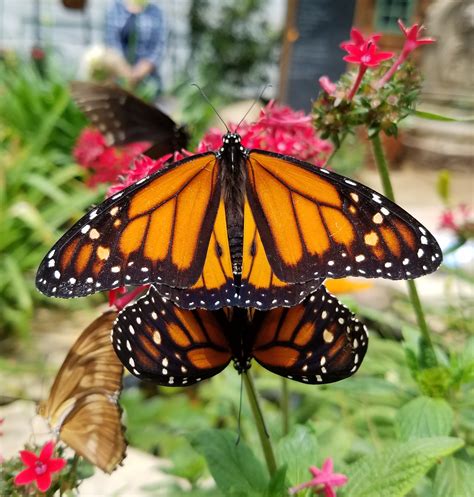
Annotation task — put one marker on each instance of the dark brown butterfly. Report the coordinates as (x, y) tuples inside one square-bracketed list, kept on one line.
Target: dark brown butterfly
[(82, 407), (124, 118), (318, 341), (238, 227)]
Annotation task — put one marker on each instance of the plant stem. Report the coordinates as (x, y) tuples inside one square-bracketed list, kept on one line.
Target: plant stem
[(382, 167), (285, 412), (260, 422)]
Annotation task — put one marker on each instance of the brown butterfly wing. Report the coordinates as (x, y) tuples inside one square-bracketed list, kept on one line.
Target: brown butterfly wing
[(315, 223), (158, 341), (124, 118), (94, 430), (318, 341), (91, 365), (157, 230)]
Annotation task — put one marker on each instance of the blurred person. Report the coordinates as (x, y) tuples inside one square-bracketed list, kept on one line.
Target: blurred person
[(136, 30)]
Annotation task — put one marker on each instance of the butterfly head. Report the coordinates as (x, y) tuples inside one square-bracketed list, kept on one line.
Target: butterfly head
[(232, 147)]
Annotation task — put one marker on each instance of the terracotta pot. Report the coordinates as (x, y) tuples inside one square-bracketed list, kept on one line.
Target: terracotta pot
[(75, 4)]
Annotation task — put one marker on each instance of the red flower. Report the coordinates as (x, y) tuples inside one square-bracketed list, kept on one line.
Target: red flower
[(121, 302), (107, 163), (411, 42), (327, 85), (40, 468), (411, 34), (358, 40), (324, 480), (366, 55)]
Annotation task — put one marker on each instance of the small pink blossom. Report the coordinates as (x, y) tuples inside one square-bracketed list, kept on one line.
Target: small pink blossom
[(324, 480), (119, 298), (412, 41), (39, 468), (327, 85), (459, 220)]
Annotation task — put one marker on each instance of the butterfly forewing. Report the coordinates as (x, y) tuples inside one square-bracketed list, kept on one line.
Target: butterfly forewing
[(90, 365), (319, 341), (124, 118), (161, 342), (82, 406), (157, 229), (315, 223)]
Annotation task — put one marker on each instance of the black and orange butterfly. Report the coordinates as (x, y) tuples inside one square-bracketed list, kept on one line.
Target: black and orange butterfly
[(238, 227), (124, 118), (82, 408), (318, 341)]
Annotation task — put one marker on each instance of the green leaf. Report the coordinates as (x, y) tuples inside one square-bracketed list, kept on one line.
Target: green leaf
[(432, 116), (424, 417), (298, 450), (443, 185), (454, 476), (393, 472), (277, 486), (234, 467)]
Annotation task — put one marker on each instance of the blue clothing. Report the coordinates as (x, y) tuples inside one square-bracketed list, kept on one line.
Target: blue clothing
[(136, 36)]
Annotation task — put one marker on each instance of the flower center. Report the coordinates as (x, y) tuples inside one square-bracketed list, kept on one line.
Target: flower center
[(40, 468)]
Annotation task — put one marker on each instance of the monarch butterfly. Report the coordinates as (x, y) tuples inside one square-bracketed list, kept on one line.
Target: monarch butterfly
[(318, 341), (124, 118), (82, 406), (238, 227)]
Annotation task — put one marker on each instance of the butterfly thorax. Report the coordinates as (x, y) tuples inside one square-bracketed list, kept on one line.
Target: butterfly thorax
[(232, 157)]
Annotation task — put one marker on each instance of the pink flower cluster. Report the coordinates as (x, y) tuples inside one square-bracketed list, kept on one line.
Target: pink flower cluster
[(105, 162), (458, 220), (278, 129), (365, 53)]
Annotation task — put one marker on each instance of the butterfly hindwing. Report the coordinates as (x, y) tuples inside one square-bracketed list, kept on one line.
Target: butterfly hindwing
[(158, 341), (315, 223), (94, 430), (124, 118), (158, 228), (318, 341)]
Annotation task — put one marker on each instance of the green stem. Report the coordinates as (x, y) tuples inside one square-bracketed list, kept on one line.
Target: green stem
[(260, 422), (382, 167), (285, 412)]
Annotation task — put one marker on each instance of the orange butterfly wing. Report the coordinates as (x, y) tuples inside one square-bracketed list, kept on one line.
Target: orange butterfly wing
[(215, 287), (158, 341), (318, 341), (157, 230), (315, 223), (260, 287)]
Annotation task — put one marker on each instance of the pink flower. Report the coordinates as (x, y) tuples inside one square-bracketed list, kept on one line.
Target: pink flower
[(412, 36), (327, 85), (358, 40), (459, 220), (412, 41), (278, 129), (106, 163), (39, 468), (367, 55), (324, 480)]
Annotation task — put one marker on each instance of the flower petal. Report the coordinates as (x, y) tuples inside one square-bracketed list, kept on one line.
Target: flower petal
[(43, 481), (46, 451), (56, 465), (26, 476), (29, 458)]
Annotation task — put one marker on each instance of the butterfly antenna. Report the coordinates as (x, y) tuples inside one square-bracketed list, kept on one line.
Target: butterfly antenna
[(240, 412), (212, 107), (268, 85)]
